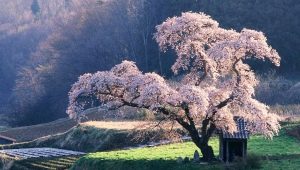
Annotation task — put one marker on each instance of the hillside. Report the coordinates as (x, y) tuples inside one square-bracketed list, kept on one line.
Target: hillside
[(29, 133)]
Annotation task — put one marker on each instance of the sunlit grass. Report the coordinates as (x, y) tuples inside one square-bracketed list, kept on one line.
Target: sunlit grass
[(165, 152)]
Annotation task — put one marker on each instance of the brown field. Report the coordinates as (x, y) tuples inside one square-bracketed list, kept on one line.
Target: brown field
[(118, 125)]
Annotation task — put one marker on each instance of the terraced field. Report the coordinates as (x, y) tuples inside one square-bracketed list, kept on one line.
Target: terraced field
[(58, 163), (38, 158)]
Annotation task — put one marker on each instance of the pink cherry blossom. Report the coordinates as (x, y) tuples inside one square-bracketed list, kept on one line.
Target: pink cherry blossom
[(217, 83)]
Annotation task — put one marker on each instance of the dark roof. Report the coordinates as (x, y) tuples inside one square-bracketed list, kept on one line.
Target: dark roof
[(242, 132)]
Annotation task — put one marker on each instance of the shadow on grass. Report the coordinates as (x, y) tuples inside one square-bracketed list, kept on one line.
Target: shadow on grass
[(142, 164), (282, 157), (161, 164)]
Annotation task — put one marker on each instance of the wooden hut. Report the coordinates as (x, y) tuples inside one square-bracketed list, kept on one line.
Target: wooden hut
[(234, 145)]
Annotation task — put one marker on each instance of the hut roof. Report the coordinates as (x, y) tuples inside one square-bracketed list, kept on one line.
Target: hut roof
[(241, 133)]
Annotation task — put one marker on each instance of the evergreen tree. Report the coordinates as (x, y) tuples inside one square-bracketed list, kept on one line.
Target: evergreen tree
[(35, 7), (67, 3)]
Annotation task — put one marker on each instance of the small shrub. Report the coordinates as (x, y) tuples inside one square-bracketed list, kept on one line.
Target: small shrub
[(293, 93), (295, 132), (5, 162), (273, 89), (251, 162), (286, 110)]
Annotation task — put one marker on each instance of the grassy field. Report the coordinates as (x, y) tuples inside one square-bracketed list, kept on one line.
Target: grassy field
[(283, 152)]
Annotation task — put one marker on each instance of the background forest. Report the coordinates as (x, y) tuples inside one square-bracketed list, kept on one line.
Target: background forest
[(46, 45)]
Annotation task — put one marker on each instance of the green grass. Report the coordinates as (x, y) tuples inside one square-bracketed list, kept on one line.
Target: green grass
[(283, 152), (161, 157)]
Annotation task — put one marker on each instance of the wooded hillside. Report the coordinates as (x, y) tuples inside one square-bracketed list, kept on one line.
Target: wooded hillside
[(46, 45)]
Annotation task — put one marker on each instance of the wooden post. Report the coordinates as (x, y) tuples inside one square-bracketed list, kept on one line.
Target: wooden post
[(243, 152), (227, 152), (221, 156), (246, 149)]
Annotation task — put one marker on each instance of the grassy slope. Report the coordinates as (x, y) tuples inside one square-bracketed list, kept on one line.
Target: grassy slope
[(283, 152), (81, 138), (29, 133)]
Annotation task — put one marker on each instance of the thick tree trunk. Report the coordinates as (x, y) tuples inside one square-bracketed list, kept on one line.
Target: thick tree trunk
[(202, 144), (201, 141), (207, 152)]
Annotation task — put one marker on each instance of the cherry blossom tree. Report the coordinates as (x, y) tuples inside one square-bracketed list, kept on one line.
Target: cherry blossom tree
[(217, 84)]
